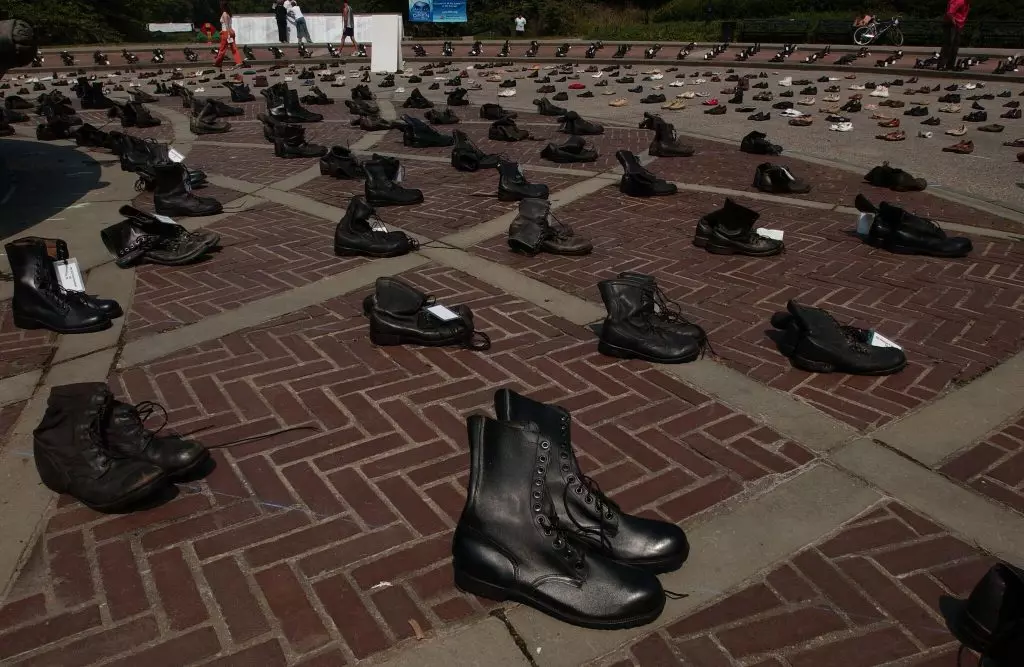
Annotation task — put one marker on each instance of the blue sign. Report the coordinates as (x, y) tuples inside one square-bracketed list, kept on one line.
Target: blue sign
[(437, 11)]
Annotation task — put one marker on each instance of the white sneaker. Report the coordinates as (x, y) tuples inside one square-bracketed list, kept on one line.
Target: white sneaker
[(700, 93), (677, 84), (399, 90), (792, 113), (788, 81), (656, 77), (924, 135), (841, 127), (807, 102), (858, 86), (831, 98), (508, 92), (697, 82), (688, 95), (969, 86), (880, 91), (598, 75)]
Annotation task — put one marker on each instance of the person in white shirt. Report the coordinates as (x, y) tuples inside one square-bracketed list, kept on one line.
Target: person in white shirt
[(296, 17), (227, 37), (520, 25)]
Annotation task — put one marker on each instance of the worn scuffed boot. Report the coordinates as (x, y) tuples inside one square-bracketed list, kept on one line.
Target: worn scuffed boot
[(362, 233), (467, 157), (381, 189), (821, 345), (513, 186), (341, 163), (126, 435), (631, 329), (532, 232)]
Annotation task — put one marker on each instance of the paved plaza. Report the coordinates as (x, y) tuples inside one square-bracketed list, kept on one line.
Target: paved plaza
[(832, 517)]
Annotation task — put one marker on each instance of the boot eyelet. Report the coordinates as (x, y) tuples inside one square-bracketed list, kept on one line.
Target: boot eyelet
[(537, 482), (579, 566), (536, 494), (565, 468), (544, 445), (578, 490), (559, 543), (608, 515), (543, 459), (540, 471), (570, 478), (547, 532), (536, 508), (563, 456), (588, 499)]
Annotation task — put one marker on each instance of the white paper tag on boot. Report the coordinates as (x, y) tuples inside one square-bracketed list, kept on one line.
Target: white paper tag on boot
[(401, 174), (787, 173), (878, 340), (442, 313), (69, 276), (864, 222), (174, 155), (378, 226), (164, 218), (774, 234), (288, 79)]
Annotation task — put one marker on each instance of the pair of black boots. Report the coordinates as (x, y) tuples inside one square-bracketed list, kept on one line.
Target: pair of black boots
[(283, 105), (574, 150), (536, 530), (642, 323), (731, 231), (143, 238), (98, 450), (536, 230), (289, 139), (418, 134), (362, 233), (133, 114), (41, 302), (138, 156), (666, 143), (638, 181), (400, 314), (899, 231)]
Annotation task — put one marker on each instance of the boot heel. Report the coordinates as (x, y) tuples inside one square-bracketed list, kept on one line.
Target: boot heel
[(22, 322), (384, 339), (482, 589), (612, 351), (700, 241)]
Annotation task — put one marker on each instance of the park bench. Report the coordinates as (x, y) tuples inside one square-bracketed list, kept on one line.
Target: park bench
[(774, 30)]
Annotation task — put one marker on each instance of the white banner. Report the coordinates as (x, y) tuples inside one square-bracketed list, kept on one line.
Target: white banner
[(323, 28), (169, 27)]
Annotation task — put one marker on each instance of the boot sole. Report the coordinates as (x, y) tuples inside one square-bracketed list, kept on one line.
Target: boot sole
[(391, 340), (23, 322), (905, 250), (622, 353), (483, 589), (824, 367), (350, 252), (727, 250)]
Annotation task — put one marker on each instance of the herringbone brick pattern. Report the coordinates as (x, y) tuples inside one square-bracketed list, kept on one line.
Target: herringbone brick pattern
[(994, 466), (265, 251), (956, 319), (23, 350), (452, 199), (256, 165), (336, 541), (876, 593)]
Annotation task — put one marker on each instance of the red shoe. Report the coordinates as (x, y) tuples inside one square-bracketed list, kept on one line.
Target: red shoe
[(713, 102), (576, 86)]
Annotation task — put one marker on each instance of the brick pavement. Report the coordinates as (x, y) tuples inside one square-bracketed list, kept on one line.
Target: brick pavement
[(993, 467), (23, 349), (284, 547), (876, 593), (956, 319), (144, 200), (256, 165)]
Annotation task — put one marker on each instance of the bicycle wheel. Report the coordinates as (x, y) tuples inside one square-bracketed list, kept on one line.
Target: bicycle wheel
[(863, 36), (896, 36)]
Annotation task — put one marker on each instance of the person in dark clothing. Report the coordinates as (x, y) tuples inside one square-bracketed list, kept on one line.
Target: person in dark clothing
[(956, 17), (281, 15)]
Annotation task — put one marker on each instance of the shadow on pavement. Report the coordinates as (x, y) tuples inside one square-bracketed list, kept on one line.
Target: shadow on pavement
[(47, 178)]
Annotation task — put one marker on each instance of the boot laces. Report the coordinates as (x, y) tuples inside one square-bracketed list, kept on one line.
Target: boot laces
[(660, 311), (546, 517), (606, 508), (63, 296), (557, 228)]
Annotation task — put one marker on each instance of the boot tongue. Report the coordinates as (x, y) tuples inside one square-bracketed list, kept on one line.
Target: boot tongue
[(396, 296)]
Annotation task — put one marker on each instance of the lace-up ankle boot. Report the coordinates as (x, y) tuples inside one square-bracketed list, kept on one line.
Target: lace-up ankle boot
[(732, 233), (821, 345), (361, 233), (632, 330), (382, 190), (57, 251), (513, 186), (39, 301), (637, 181), (173, 195), (666, 143), (897, 230), (510, 545), (294, 145), (418, 134), (73, 457), (341, 163), (656, 303), (141, 237), (596, 523), (405, 299), (573, 124), (393, 323), (532, 232), (127, 436), (296, 113), (991, 620), (467, 157)]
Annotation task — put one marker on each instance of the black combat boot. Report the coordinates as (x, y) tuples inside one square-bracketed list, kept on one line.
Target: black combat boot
[(341, 163), (53, 129), (511, 545), (93, 97), (275, 96), (362, 233), (897, 230), (667, 143), (127, 436), (73, 457), (632, 330), (991, 620), (443, 116), (506, 129), (361, 108), (173, 195), (467, 157), (495, 112), (594, 521), (546, 108), (139, 116), (457, 98), (758, 144), (885, 176), (819, 344), (573, 150), (295, 146), (532, 232), (403, 298), (208, 122), (779, 180), (418, 134), (637, 181), (381, 189), (573, 124), (296, 113), (142, 238), (240, 92), (730, 231), (656, 304), (57, 251), (393, 322), (362, 92), (416, 100), (39, 301), (513, 186)]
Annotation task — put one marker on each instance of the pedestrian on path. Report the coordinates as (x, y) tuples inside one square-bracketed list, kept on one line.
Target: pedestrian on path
[(520, 24), (281, 15), (227, 37), (296, 17), (956, 17), (348, 20)]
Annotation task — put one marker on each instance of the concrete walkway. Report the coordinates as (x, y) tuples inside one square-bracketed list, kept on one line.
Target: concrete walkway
[(828, 515)]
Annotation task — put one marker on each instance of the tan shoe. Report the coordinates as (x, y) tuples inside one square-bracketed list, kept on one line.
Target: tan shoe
[(957, 131), (801, 122), (621, 102), (674, 105), (832, 108), (807, 101)]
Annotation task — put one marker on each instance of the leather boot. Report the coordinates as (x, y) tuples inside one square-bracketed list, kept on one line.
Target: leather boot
[(57, 251), (885, 176), (127, 436), (495, 112), (573, 124), (573, 150), (730, 231), (392, 322), (362, 233), (513, 186), (39, 301), (373, 124), (467, 157), (510, 545), (240, 92), (656, 304), (441, 116), (93, 98), (532, 232), (776, 179), (362, 92), (637, 181), (340, 163), (991, 620), (140, 156), (53, 130), (296, 146), (382, 190), (900, 231), (418, 134), (416, 100), (173, 195), (207, 121), (457, 98), (598, 525), (275, 96), (140, 115), (142, 238), (362, 108), (820, 345), (546, 108), (632, 331), (72, 456), (404, 299), (758, 144), (506, 129), (296, 113), (666, 143)]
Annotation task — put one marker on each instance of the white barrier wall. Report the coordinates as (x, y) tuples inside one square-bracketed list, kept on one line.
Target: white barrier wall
[(262, 29)]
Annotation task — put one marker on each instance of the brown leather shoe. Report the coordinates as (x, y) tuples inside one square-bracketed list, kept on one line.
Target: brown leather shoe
[(892, 122), (898, 135), (962, 148)]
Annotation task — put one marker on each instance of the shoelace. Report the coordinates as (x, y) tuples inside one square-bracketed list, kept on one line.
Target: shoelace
[(670, 312), (550, 525), (604, 506)]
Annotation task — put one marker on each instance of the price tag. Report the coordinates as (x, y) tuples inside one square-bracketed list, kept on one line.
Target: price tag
[(69, 276), (864, 222), (164, 218), (878, 340), (442, 313), (175, 156), (774, 234)]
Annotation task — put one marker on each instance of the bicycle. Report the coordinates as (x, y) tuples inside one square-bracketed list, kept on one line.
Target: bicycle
[(871, 32)]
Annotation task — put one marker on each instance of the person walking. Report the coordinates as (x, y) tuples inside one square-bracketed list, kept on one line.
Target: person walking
[(227, 37), (956, 17), (348, 20), (281, 15), (296, 17), (520, 24)]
